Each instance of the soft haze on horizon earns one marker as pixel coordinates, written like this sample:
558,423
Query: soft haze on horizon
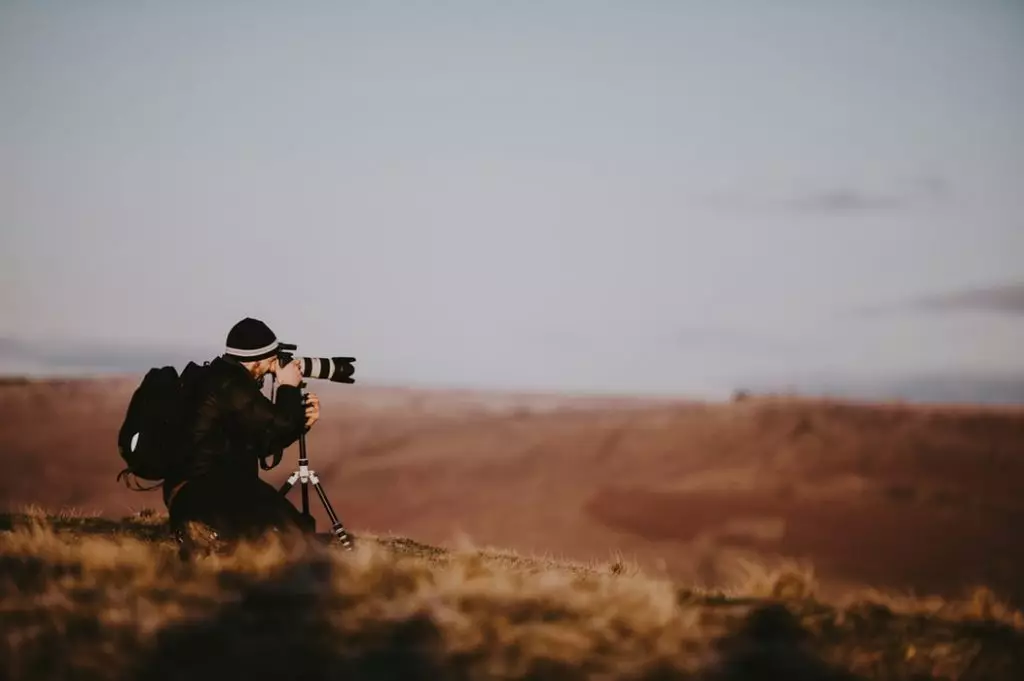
611,196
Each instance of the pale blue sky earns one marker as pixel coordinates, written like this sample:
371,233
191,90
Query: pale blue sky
632,196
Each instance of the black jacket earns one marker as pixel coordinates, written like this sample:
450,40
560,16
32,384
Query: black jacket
231,424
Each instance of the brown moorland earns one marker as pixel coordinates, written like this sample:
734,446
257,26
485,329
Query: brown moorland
905,498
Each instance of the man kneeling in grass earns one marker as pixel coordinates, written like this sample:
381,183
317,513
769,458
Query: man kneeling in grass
230,427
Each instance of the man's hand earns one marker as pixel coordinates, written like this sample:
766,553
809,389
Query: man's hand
312,409
290,374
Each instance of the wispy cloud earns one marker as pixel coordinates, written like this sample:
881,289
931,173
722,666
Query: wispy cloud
839,199
1006,298
845,201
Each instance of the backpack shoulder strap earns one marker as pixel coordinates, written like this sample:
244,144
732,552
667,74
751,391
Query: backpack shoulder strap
126,472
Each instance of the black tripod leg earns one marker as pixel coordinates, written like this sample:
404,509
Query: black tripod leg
287,486
305,497
289,483
336,527
304,477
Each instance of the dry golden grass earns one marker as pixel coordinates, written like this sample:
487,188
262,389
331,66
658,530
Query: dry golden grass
89,598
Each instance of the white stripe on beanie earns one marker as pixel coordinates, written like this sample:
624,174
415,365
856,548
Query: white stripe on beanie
239,352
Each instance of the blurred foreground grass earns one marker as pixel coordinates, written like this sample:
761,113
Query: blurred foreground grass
90,598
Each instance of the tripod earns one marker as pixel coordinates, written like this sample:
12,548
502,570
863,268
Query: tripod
307,475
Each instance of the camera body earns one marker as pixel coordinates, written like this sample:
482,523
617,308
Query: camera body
336,369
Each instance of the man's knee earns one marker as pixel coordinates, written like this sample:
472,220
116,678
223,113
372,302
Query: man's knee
282,514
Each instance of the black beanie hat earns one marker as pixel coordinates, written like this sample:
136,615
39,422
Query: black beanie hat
250,340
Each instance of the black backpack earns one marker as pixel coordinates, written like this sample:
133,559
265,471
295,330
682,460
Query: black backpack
150,437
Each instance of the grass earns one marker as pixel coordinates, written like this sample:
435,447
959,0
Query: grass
86,597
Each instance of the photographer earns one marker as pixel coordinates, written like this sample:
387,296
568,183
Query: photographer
230,426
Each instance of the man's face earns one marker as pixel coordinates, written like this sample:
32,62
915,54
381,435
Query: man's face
270,366
264,367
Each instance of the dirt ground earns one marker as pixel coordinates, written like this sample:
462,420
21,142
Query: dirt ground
926,499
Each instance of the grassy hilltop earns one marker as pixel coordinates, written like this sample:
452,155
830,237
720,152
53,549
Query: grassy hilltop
90,598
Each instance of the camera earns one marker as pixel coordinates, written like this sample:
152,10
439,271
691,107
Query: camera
336,369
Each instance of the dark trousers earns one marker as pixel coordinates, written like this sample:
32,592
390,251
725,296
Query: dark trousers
234,508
